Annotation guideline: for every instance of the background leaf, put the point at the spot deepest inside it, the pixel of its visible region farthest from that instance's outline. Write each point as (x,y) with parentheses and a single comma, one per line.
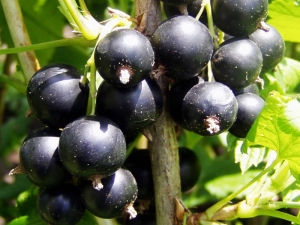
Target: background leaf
(277,128)
(284,15)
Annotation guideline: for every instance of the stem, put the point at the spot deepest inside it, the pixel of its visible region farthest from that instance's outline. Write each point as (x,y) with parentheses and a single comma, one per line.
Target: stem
(87,27)
(213,209)
(163,147)
(246,211)
(280,205)
(20,37)
(93,89)
(81,41)
(210,22)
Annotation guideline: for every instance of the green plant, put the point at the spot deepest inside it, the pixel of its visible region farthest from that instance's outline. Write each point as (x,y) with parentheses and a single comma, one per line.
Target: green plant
(228,192)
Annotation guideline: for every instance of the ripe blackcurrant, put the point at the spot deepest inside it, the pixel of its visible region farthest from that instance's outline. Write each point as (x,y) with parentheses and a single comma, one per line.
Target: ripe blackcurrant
(139,164)
(237,62)
(39,158)
(56,95)
(92,147)
(60,205)
(178,2)
(249,106)
(209,108)
(239,17)
(124,57)
(271,45)
(115,198)
(140,106)
(183,46)
(176,96)
(190,168)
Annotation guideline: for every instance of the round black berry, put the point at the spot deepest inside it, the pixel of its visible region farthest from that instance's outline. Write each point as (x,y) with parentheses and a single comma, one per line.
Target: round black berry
(124,57)
(115,198)
(239,17)
(249,106)
(209,108)
(132,109)
(178,2)
(183,46)
(237,62)
(40,161)
(271,45)
(92,147)
(56,96)
(190,168)
(60,205)
(139,164)
(176,96)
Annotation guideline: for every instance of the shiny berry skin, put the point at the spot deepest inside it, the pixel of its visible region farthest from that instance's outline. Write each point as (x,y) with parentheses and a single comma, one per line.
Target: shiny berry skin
(124,57)
(239,17)
(139,164)
(178,2)
(249,107)
(209,108)
(192,8)
(176,96)
(140,106)
(56,96)
(271,45)
(115,198)
(92,146)
(190,168)
(40,161)
(237,62)
(183,46)
(60,205)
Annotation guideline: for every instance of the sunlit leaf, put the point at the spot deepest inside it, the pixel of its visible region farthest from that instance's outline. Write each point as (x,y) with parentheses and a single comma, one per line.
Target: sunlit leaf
(222,186)
(252,157)
(278,128)
(284,15)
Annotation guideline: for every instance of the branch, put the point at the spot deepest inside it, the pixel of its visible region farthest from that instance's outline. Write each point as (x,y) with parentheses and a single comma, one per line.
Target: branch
(20,37)
(164,146)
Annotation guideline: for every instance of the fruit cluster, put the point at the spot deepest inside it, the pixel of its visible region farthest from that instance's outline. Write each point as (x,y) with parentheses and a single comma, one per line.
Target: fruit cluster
(78,159)
(250,49)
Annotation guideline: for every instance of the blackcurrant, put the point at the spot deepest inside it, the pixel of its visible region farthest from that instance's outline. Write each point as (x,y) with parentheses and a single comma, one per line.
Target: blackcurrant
(190,168)
(56,96)
(39,158)
(132,109)
(237,62)
(139,164)
(249,107)
(252,88)
(115,198)
(209,108)
(192,8)
(183,46)
(239,17)
(60,205)
(124,57)
(271,45)
(175,99)
(92,147)
(178,2)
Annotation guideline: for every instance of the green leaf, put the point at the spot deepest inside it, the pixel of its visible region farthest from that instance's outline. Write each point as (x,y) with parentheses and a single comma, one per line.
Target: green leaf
(284,15)
(253,156)
(278,128)
(285,78)
(222,186)
(14,82)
